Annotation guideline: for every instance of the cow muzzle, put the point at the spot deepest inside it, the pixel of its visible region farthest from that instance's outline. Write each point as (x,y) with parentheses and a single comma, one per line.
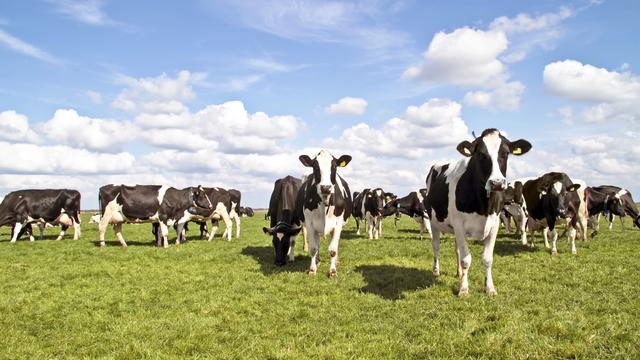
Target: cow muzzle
(325,189)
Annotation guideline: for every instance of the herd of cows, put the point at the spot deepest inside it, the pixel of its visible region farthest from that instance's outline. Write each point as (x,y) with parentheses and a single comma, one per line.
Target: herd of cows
(467,198)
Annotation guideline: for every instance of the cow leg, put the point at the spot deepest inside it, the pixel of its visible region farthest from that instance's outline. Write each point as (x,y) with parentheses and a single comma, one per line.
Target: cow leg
(521,225)
(41,230)
(76,230)
(357,226)
(376,227)
(333,249)
(487,260)
(228,222)
(545,235)
(106,219)
(369,226)
(203,230)
(506,221)
(422,226)
(314,238)
(554,239)
(435,236)
(236,220)
(118,230)
(164,231)
(622,222)
(63,230)
(611,219)
(16,230)
(464,261)
(292,246)
(179,233)
(305,237)
(214,229)
(379,220)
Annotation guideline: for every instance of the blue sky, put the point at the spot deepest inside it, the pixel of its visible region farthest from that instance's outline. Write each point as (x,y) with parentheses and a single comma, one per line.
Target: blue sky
(229,93)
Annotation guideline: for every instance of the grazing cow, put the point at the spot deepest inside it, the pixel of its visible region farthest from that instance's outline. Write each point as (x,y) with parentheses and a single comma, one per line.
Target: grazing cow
(324,204)
(411,205)
(598,203)
(285,226)
(626,201)
(54,206)
(466,197)
(367,207)
(246,211)
(546,202)
(515,206)
(151,203)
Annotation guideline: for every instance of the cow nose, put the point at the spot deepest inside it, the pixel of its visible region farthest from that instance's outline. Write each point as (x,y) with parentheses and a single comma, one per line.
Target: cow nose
(498,184)
(562,212)
(325,189)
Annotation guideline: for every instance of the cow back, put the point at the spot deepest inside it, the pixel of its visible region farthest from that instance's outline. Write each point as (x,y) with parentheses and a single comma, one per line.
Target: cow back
(140,201)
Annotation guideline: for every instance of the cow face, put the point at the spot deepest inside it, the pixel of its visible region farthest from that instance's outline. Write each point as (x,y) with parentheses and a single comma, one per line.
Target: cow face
(200,198)
(615,205)
(489,154)
(282,235)
(375,200)
(554,198)
(324,172)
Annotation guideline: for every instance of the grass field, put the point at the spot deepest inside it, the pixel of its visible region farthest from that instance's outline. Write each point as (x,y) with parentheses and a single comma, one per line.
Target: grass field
(219,299)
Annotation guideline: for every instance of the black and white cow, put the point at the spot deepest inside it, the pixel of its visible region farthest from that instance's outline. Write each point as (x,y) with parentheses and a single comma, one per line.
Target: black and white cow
(598,203)
(222,208)
(624,198)
(234,213)
(515,207)
(546,202)
(413,206)
(285,225)
(367,207)
(246,211)
(151,203)
(324,204)
(466,197)
(21,208)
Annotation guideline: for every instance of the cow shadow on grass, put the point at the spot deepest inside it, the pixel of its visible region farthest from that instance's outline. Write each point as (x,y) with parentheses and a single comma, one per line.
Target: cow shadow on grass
(265,257)
(510,248)
(129,243)
(391,282)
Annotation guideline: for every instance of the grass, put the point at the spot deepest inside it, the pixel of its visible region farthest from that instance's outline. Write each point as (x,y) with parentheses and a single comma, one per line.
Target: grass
(219,299)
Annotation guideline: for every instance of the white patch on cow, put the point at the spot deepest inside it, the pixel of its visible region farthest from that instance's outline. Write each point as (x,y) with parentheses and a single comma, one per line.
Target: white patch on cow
(493,141)
(620,193)
(94,219)
(280,236)
(557,186)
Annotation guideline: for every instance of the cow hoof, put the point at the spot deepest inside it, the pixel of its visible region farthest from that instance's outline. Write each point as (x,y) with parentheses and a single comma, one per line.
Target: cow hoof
(491,291)
(436,272)
(554,252)
(333,273)
(292,260)
(574,252)
(312,272)
(58,238)
(463,292)
(102,244)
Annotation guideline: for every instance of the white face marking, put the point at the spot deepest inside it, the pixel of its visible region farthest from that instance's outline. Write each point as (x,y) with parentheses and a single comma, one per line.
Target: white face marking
(279,235)
(493,141)
(324,159)
(557,186)
(379,192)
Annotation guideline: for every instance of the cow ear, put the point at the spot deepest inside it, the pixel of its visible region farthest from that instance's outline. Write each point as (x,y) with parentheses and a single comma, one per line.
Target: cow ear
(268,231)
(295,231)
(465,148)
(306,160)
(519,147)
(573,187)
(343,160)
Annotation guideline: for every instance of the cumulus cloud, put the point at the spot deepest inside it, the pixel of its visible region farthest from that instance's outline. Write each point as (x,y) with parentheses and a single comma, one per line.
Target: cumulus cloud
(69,128)
(505,96)
(434,124)
(348,106)
(14,127)
(614,95)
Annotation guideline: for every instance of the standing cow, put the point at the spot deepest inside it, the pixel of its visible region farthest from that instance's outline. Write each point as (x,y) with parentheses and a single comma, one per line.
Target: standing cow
(545,199)
(21,208)
(367,207)
(324,204)
(234,213)
(285,225)
(466,197)
(626,200)
(151,203)
(413,206)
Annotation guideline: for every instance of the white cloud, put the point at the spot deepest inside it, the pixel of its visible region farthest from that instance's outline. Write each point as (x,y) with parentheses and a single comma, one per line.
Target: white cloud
(582,145)
(14,127)
(34,159)
(524,22)
(348,106)
(505,96)
(617,95)
(86,11)
(25,48)
(69,128)
(434,124)
(181,139)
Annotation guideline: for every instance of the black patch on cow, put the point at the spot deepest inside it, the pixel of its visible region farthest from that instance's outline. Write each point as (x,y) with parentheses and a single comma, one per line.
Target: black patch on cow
(437,199)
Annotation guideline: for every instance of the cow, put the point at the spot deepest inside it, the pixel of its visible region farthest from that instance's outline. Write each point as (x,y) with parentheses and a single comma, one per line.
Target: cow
(546,201)
(411,205)
(21,208)
(466,197)
(627,203)
(151,203)
(222,208)
(598,203)
(367,207)
(234,213)
(324,204)
(246,211)
(515,206)
(285,225)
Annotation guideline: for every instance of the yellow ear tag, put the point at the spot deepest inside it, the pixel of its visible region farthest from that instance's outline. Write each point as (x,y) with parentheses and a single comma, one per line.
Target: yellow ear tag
(466,151)
(343,164)
(517,151)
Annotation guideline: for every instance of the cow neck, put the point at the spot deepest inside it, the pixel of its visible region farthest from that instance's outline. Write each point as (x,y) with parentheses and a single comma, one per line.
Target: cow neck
(471,195)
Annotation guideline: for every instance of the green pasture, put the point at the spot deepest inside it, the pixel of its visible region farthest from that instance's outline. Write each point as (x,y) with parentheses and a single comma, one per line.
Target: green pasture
(73,299)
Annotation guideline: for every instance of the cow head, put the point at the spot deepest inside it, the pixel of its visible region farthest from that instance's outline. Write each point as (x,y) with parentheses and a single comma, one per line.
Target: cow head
(616,205)
(282,234)
(489,154)
(391,208)
(200,198)
(375,201)
(554,193)
(324,172)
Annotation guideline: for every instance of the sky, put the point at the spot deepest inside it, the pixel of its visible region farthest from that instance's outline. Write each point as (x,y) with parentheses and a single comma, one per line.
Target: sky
(230,93)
